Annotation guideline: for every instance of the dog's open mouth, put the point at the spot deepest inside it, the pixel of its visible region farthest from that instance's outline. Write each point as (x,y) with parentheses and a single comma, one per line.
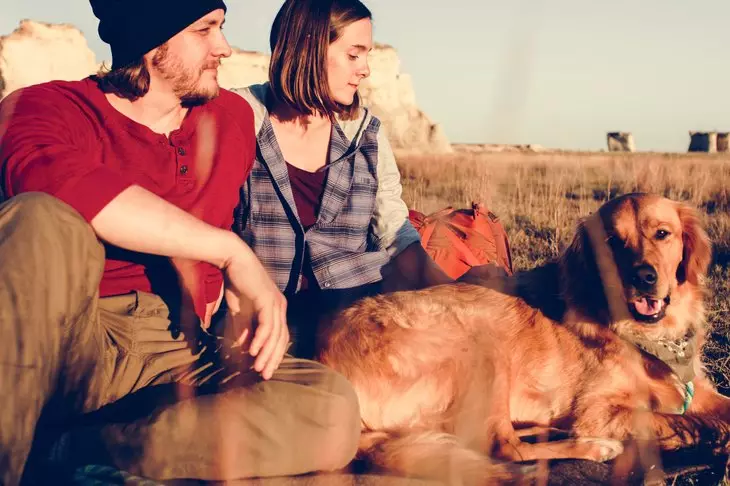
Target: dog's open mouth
(646,309)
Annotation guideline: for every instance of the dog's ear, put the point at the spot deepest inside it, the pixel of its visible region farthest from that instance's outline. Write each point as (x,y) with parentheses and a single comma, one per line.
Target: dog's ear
(581,277)
(696,250)
(578,258)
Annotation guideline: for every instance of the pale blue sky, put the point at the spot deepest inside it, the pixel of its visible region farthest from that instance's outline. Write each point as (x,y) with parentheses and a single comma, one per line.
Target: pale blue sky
(559,73)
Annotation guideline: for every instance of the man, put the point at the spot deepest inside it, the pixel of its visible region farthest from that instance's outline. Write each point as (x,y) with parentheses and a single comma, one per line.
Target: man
(115,244)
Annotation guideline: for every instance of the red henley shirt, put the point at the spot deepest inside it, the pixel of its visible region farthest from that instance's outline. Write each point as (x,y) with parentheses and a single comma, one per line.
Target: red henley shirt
(65,139)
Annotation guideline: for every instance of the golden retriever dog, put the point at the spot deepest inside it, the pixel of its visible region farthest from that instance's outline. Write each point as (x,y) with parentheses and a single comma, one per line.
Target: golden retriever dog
(605,343)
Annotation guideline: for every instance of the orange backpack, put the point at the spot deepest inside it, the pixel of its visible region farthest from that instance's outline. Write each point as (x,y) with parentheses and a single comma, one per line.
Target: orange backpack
(458,239)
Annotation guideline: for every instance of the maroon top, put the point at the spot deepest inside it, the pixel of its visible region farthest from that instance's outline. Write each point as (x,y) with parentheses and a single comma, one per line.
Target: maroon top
(65,139)
(307,189)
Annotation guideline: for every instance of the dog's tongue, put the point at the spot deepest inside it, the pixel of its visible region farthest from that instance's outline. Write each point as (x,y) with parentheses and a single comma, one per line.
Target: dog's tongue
(648,307)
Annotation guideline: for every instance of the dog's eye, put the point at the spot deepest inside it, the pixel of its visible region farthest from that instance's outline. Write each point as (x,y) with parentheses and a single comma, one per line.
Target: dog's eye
(661,234)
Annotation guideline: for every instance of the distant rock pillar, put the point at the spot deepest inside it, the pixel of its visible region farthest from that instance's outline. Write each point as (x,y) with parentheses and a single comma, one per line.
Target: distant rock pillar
(723,142)
(620,142)
(702,142)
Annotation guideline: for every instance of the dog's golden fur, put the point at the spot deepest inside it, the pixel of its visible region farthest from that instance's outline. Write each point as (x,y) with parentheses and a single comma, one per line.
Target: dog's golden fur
(447,376)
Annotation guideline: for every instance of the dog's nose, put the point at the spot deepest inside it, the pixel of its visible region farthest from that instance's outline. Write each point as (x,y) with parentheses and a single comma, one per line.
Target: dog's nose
(644,277)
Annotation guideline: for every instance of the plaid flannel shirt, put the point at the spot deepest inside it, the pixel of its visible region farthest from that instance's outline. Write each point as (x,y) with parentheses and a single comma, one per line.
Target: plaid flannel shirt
(362,221)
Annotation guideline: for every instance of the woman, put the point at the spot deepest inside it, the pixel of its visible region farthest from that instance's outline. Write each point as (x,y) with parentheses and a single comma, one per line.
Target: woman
(322,206)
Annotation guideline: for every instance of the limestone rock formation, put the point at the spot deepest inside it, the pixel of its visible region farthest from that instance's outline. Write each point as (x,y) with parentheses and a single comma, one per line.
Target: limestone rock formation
(390,94)
(498,148)
(37,52)
(243,68)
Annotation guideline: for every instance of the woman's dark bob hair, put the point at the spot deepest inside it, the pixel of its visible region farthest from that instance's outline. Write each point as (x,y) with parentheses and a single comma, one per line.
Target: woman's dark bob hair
(300,36)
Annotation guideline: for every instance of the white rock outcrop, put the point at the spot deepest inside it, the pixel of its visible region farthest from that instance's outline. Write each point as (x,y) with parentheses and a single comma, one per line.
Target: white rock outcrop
(243,68)
(388,92)
(37,52)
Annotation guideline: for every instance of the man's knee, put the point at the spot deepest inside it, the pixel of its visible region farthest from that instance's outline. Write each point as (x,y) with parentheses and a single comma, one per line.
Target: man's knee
(326,403)
(41,228)
(339,442)
(40,214)
(40,210)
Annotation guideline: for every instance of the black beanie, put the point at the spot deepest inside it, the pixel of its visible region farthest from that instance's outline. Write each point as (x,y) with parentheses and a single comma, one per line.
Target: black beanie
(132,28)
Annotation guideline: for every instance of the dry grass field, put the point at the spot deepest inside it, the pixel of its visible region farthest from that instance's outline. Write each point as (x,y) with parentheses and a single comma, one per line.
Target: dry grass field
(541,196)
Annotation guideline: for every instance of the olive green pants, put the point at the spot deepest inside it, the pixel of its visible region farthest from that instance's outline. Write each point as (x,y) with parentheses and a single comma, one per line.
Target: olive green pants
(66,355)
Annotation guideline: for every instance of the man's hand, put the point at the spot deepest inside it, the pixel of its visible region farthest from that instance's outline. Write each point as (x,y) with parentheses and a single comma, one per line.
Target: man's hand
(140,221)
(256,306)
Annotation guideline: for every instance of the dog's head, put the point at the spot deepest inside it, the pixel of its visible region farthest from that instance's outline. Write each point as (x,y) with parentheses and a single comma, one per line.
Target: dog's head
(639,261)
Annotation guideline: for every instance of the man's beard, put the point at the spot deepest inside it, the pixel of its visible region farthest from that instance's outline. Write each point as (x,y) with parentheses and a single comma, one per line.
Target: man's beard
(184,80)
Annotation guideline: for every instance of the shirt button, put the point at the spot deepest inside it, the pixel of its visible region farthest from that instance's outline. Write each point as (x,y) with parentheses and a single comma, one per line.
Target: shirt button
(184,169)
(327,285)
(181,151)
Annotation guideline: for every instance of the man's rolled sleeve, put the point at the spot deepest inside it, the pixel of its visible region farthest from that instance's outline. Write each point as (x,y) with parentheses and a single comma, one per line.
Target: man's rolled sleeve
(92,191)
(390,224)
(39,152)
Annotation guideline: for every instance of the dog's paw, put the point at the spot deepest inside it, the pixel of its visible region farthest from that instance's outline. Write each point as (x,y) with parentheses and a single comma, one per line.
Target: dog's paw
(601,450)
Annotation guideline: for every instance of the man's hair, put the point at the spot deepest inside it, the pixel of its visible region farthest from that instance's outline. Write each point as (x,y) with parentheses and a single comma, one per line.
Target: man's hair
(301,33)
(131,81)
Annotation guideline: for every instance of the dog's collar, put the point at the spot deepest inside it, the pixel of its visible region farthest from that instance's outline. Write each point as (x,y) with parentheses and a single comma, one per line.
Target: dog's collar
(689,394)
(678,355)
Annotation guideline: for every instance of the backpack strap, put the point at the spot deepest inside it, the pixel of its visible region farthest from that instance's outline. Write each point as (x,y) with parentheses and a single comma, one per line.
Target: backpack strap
(440,214)
(430,221)
(428,228)
(498,233)
(458,243)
